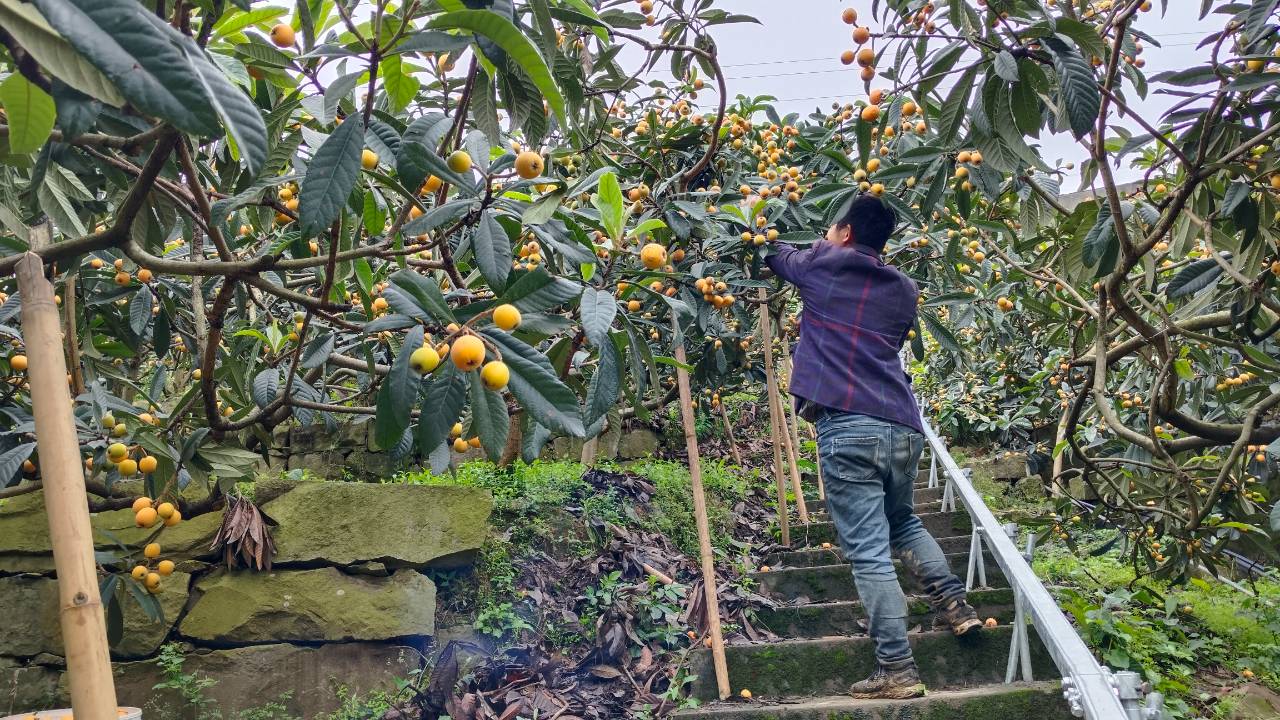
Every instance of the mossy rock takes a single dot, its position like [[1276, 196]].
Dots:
[[323, 605], [342, 523], [32, 624], [24, 534], [308, 681]]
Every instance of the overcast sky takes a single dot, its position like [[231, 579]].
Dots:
[[794, 56]]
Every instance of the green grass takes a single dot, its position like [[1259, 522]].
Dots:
[[1187, 639]]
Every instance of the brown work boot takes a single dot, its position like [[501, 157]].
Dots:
[[884, 684], [958, 615]]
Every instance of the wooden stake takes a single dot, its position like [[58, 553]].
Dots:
[[791, 408], [766, 333], [796, 488], [728, 429], [709, 584], [84, 627], [789, 448], [72, 337]]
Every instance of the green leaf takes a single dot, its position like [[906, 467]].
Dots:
[[1006, 66], [1256, 21], [539, 290], [492, 249], [399, 86], [1194, 277], [608, 200], [1099, 240], [140, 309], [1182, 367], [265, 386], [445, 397], [238, 112], [424, 292], [141, 54], [508, 37], [1077, 87], [940, 332], [431, 41], [537, 386], [397, 394], [34, 34], [953, 108], [1085, 37], [1025, 105], [606, 385], [489, 420], [30, 113], [598, 308], [331, 176]]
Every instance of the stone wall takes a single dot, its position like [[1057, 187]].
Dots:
[[349, 603], [349, 447]]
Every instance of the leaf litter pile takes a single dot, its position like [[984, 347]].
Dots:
[[635, 608]]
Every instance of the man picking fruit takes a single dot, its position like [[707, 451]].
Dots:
[[849, 381]]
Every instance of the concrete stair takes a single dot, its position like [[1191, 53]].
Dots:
[[824, 647]]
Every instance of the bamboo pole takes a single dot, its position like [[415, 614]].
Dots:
[[84, 628], [72, 337], [709, 584], [728, 429], [791, 408], [801, 507], [766, 333], [789, 449]]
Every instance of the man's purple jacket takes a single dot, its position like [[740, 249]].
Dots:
[[857, 312]]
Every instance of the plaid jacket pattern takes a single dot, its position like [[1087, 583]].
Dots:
[[857, 312]]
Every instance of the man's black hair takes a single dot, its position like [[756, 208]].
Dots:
[[870, 221]]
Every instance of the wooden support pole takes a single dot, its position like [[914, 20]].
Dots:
[[709, 583], [83, 622], [766, 334], [789, 448], [791, 408], [728, 429], [801, 507]]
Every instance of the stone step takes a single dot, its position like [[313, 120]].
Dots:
[[952, 545], [826, 619], [828, 666], [833, 556], [921, 508], [1015, 701], [826, 583], [923, 494], [939, 525]]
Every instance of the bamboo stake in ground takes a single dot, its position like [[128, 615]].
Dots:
[[784, 522], [794, 468], [791, 407], [728, 429], [789, 449], [709, 584], [84, 628]]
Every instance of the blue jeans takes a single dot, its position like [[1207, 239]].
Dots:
[[869, 467]]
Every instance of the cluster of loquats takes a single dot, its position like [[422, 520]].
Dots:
[[715, 292], [529, 254], [461, 444], [152, 568], [468, 351]]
